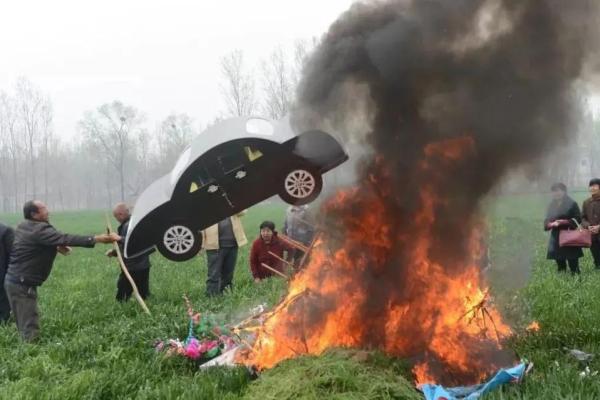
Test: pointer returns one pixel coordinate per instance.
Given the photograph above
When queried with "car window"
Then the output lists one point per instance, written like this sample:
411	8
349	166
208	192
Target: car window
231	160
200	178
252	153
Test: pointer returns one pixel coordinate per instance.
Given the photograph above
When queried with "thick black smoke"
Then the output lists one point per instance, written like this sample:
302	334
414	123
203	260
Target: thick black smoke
501	72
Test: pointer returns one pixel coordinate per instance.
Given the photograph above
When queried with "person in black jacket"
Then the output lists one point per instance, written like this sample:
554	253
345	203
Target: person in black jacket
562	213
138	267
590	219
6	241
34	250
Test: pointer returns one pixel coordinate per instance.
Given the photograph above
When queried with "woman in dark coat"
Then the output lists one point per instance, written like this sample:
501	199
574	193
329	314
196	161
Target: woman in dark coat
561	213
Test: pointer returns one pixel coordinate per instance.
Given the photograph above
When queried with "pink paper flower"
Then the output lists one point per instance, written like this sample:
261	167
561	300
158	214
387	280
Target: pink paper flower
208	345
193	349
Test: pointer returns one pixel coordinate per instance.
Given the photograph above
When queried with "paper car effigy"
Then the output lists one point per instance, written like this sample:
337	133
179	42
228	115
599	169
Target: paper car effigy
229	167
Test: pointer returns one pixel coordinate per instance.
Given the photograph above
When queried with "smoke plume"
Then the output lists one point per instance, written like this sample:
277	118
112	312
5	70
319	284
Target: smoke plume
499	71
458	93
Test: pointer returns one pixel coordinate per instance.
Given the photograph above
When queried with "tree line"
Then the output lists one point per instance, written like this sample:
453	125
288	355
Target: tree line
116	155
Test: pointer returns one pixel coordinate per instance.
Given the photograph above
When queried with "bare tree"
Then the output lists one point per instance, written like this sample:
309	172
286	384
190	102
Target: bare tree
112	130
4	155
278	85
593	145
30	103
238	87
57	160
143	161
174	134
303	49
13	141
46	134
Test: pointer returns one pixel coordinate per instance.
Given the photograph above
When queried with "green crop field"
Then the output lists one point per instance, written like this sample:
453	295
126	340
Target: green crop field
95	348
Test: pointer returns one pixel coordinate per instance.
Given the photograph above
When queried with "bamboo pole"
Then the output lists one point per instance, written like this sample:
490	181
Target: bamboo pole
136	293
307	252
275	271
293	243
289	264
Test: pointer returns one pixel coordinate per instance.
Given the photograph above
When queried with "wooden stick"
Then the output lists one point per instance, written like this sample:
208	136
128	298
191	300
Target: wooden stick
290	264
136	293
307	252
293	243
275	271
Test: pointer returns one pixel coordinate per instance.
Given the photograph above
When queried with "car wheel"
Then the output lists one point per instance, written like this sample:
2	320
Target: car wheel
301	186
179	242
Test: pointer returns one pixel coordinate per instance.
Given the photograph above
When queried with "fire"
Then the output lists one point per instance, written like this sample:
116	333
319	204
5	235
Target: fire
375	281
534	326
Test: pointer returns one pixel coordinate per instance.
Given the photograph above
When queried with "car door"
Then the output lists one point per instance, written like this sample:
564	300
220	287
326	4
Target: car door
251	172
232	163
205	190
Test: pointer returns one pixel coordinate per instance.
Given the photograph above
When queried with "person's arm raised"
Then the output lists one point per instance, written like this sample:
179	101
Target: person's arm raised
49	236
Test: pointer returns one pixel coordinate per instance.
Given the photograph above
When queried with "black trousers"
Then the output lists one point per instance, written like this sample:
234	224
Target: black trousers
23	301
221	265
595	249
142	281
573	265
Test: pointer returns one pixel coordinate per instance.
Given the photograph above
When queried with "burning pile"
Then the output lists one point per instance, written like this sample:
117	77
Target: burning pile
354	293
458	93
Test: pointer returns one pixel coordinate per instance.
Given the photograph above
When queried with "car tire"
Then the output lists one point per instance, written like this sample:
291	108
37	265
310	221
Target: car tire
179	242
301	185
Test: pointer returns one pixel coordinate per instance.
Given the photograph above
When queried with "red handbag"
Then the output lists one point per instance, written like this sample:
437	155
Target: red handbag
575	238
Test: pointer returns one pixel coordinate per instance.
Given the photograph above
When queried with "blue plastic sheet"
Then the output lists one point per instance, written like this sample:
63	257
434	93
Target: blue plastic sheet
438	392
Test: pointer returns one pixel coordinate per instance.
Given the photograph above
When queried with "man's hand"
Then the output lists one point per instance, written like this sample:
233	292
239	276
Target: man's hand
64	250
107	238
594	229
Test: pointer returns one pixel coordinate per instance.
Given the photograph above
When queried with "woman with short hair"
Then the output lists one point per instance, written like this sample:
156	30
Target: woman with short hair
562	213
268	249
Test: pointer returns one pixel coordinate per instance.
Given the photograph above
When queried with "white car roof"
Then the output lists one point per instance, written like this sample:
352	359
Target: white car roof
161	190
231	129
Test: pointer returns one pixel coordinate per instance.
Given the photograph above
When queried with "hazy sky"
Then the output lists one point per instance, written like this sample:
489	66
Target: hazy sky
159	56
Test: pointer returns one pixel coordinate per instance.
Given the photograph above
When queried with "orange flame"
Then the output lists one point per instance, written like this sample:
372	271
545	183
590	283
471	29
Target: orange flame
442	320
534	326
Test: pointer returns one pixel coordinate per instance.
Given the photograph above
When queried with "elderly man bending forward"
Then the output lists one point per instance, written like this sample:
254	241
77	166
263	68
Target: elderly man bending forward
34	250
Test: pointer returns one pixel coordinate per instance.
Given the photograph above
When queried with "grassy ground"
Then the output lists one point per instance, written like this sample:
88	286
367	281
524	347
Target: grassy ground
94	348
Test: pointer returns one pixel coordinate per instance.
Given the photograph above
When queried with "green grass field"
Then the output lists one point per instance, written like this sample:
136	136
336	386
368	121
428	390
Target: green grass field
94	348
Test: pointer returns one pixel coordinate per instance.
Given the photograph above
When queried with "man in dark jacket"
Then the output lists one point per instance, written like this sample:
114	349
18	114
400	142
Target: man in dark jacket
138	267
6	241
590	217
34	250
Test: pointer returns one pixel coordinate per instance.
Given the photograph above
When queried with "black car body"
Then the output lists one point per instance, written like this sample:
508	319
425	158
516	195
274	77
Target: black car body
228	168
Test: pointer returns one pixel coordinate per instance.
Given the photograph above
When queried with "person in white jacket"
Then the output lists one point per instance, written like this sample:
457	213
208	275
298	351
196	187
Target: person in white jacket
221	242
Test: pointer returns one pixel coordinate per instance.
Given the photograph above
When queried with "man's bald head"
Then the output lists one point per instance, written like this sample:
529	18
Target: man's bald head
121	212
35	210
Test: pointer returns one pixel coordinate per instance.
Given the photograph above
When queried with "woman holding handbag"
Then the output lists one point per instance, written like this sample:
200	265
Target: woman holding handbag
563	213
